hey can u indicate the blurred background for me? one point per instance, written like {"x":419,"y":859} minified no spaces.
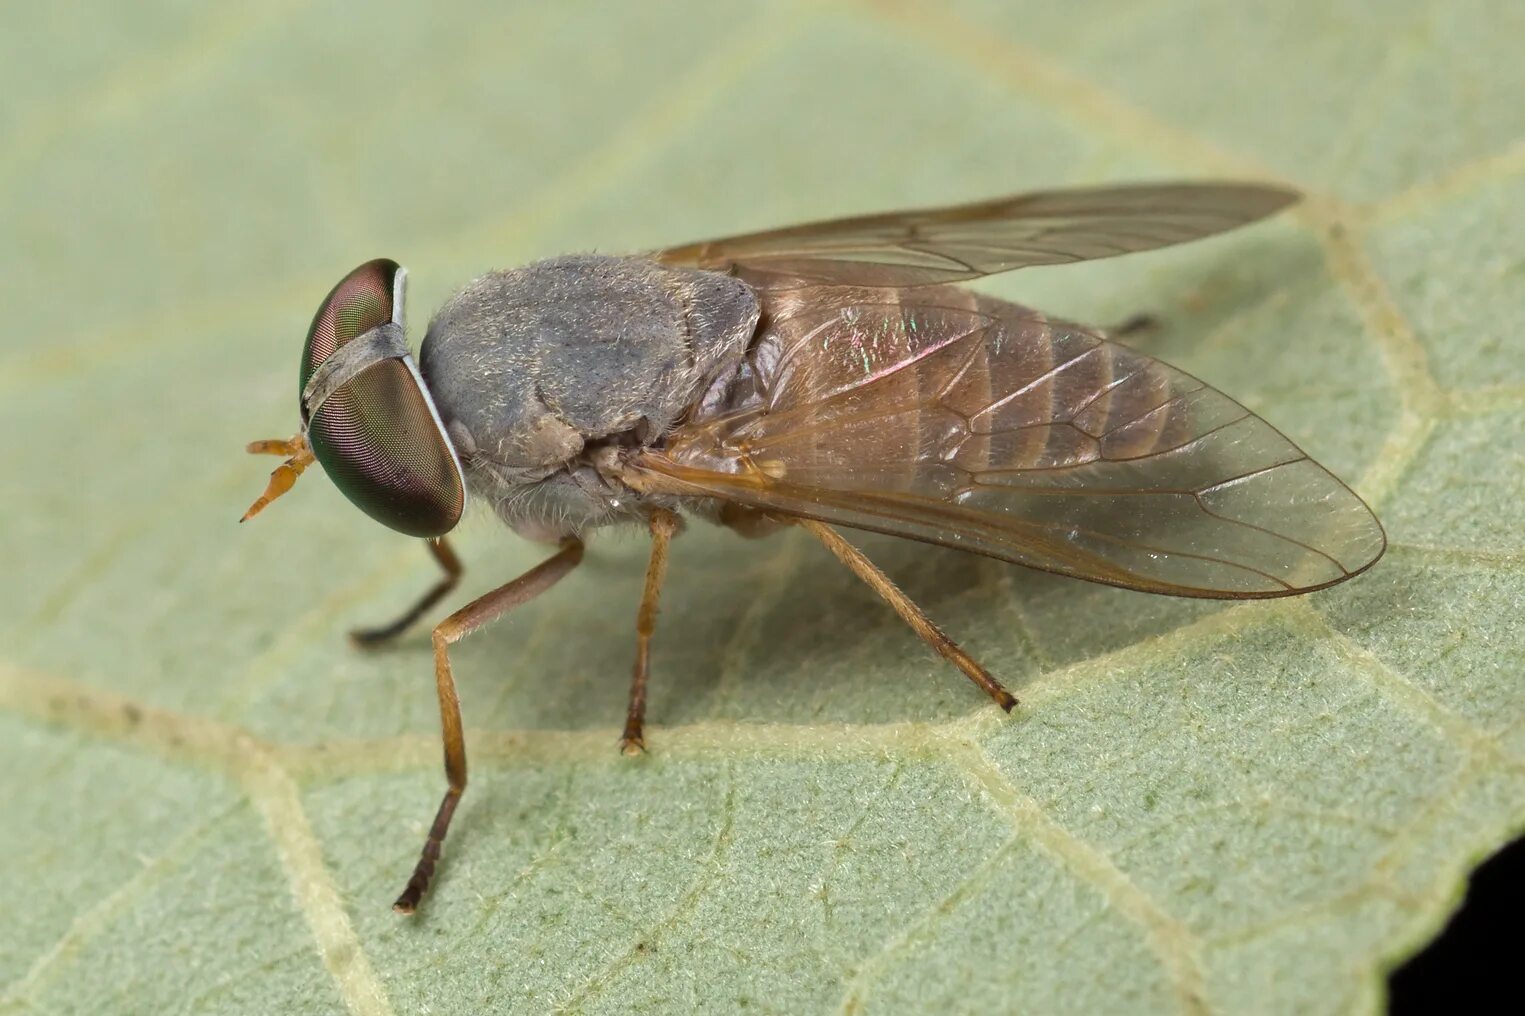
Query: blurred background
{"x":212,"y":793}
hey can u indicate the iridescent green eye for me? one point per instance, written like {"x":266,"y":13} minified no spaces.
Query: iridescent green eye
{"x":378,"y":435}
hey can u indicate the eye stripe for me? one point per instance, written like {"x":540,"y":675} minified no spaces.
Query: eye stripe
{"x":362,"y":300}
{"x":378,"y":437}
{"x":349,"y":360}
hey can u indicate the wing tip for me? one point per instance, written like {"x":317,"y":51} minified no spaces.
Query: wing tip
{"x":1251,"y":200}
{"x":1347,"y":573}
{"x":1271,"y":197}
{"x":1375,"y":524}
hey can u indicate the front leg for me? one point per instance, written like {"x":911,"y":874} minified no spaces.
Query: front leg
{"x":450,"y":564}
{"x":664,"y":524}
{"x":457,"y":626}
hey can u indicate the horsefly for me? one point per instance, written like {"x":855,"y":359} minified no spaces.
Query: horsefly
{"x":818,"y":376}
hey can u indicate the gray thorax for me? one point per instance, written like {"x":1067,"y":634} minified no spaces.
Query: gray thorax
{"x":536,"y":370}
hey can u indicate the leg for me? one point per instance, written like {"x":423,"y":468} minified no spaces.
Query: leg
{"x":1132,"y":328}
{"x":912,"y":614}
{"x":385,"y":633}
{"x":455,"y":627}
{"x":663,"y":525}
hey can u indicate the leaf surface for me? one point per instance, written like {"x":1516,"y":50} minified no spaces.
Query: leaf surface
{"x":1199,"y":807}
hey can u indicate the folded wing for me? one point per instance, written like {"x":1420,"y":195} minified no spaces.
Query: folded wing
{"x":960,"y":420}
{"x":960,"y":242}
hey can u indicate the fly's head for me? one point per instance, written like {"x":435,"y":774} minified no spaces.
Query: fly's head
{"x":367,"y":415}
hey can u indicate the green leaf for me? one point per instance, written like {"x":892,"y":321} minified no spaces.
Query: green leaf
{"x":212,"y":799}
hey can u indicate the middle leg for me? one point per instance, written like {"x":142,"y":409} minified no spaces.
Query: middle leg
{"x":664,"y":524}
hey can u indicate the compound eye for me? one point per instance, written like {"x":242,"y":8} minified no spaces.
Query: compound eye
{"x":379,"y":436}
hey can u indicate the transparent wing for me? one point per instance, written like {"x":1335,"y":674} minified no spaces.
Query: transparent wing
{"x":960,"y":242}
{"x":960,"y":420}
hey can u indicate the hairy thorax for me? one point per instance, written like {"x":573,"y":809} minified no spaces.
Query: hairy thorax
{"x":546,"y":376}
